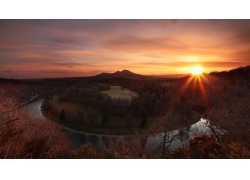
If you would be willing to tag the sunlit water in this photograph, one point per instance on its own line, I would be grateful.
(79, 138)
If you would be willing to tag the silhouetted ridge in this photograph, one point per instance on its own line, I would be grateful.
(240, 72)
(121, 74)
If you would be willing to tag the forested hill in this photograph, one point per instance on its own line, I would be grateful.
(240, 72)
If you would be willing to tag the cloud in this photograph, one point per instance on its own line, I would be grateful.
(134, 44)
(8, 71)
(63, 41)
(174, 21)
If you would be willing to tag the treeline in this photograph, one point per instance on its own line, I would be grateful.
(135, 84)
(46, 81)
(131, 84)
(239, 73)
(113, 107)
(153, 100)
(23, 92)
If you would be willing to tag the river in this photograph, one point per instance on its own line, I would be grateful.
(79, 138)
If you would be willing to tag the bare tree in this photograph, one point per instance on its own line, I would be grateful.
(25, 136)
(230, 118)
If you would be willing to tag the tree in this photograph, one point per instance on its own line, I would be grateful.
(129, 120)
(62, 115)
(199, 147)
(92, 116)
(167, 137)
(144, 119)
(229, 118)
(46, 106)
(23, 135)
(104, 119)
(184, 110)
(77, 118)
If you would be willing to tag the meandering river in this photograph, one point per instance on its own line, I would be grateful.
(79, 138)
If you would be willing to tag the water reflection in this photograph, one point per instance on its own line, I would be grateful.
(35, 108)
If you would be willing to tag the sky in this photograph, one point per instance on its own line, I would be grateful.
(73, 48)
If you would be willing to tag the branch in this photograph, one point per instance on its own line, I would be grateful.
(213, 128)
(9, 121)
(225, 113)
(167, 140)
(171, 140)
(23, 104)
(220, 130)
(20, 105)
(217, 135)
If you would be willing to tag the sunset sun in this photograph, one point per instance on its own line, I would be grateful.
(196, 70)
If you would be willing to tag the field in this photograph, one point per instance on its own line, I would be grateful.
(72, 109)
(117, 92)
(115, 125)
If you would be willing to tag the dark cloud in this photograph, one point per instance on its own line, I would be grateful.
(130, 43)
(63, 41)
(242, 36)
(8, 71)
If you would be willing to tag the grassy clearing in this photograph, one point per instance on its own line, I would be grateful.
(116, 92)
(72, 109)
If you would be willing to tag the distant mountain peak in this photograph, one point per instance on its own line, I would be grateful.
(125, 70)
(124, 74)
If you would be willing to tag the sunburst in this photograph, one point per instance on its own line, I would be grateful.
(196, 70)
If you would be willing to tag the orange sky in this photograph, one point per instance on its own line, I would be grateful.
(67, 48)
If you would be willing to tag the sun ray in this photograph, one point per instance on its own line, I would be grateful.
(174, 100)
(194, 84)
(203, 77)
(172, 103)
(203, 93)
